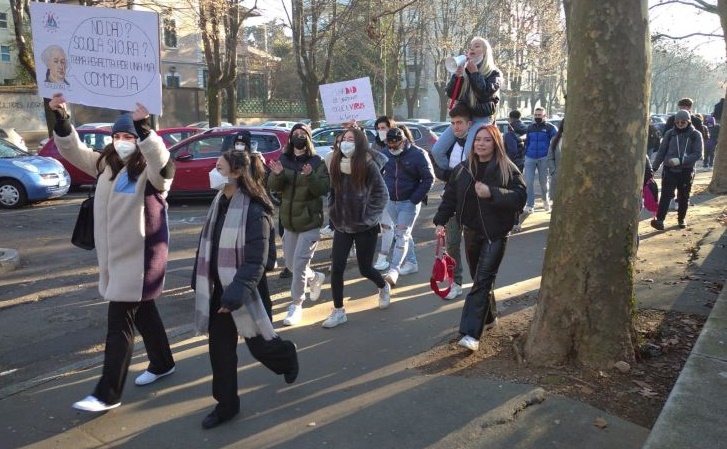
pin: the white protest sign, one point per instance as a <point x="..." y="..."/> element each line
<point x="348" y="100"/>
<point x="97" y="56"/>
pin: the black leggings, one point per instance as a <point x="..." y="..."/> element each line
<point x="365" y="249"/>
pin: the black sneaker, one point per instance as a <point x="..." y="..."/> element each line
<point x="682" y="224"/>
<point x="285" y="274"/>
<point x="657" y="224"/>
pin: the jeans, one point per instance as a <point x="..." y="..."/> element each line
<point x="403" y="214"/>
<point x="298" y="248"/>
<point x="365" y="249"/>
<point x="530" y="166"/>
<point x="387" y="239"/>
<point x="483" y="258"/>
<point x="682" y="182"/>
<point x="447" y="139"/>
<point x="454" y="240"/>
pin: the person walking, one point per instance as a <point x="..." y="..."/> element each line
<point x="537" y="143"/>
<point x="236" y="247"/>
<point x="485" y="194"/>
<point x="358" y="197"/>
<point x="680" y="149"/>
<point x="302" y="179"/>
<point x="134" y="174"/>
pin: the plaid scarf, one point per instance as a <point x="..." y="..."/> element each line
<point x="251" y="319"/>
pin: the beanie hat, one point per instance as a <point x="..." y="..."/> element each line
<point x="244" y="137"/>
<point x="124" y="124"/>
<point x="304" y="127"/>
<point x="682" y="115"/>
<point x="394" y="135"/>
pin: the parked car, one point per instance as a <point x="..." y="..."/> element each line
<point x="205" y="124"/>
<point x="95" y="125"/>
<point x="280" y="124"/>
<point x="25" y="178"/>
<point x="195" y="156"/>
<point x="12" y="136"/>
<point x="438" y="127"/>
<point x="423" y="136"/>
<point x="324" y="138"/>
<point x="97" y="139"/>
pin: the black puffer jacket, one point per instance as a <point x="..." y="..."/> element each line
<point x="486" y="90"/>
<point x="494" y="216"/>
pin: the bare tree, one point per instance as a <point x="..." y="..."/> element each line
<point x="584" y="313"/>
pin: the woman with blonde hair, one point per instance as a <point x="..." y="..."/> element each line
<point x="476" y="83"/>
<point x="485" y="192"/>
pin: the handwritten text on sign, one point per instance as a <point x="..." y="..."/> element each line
<point x="348" y="100"/>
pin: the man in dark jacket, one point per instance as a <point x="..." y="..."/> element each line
<point x="537" y="144"/>
<point x="680" y="149"/>
<point x="515" y="139"/>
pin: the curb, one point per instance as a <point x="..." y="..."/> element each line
<point x="9" y="260"/>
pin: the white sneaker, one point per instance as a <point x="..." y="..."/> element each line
<point x="337" y="316"/>
<point x="92" y="404"/>
<point x="295" y="314"/>
<point x="391" y="277"/>
<point x="469" y="343"/>
<point x="146" y="377"/>
<point x="381" y="262"/>
<point x="454" y="291"/>
<point x="327" y="232"/>
<point x="408" y="268"/>
<point x="316" y="284"/>
<point x="546" y="206"/>
<point x="384" y="296"/>
<point x="489" y="326"/>
<point x="528" y="210"/>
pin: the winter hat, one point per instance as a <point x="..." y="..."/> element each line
<point x="682" y="115"/>
<point x="304" y="127"/>
<point x="394" y="135"/>
<point x="124" y="124"/>
<point x="244" y="137"/>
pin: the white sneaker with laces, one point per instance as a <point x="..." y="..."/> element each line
<point x="295" y="314"/>
<point x="384" y="296"/>
<point x="327" y="232"/>
<point x="381" y="262"/>
<point x="316" y="284"/>
<point x="391" y="277"/>
<point x="454" y="291"/>
<point x="408" y="268"/>
<point x="146" y="377"/>
<point x="469" y="343"/>
<point x="92" y="404"/>
<point x="337" y="316"/>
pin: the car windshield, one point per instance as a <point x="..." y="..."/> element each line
<point x="8" y="151"/>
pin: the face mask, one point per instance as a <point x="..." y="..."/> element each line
<point x="240" y="146"/>
<point x="217" y="179"/>
<point x="538" y="119"/>
<point x="124" y="148"/>
<point x="299" y="142"/>
<point x="382" y="136"/>
<point x="396" y="150"/>
<point x="347" y="148"/>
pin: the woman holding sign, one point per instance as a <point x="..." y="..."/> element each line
<point x="134" y="174"/>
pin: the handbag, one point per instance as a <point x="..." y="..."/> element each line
<point x="83" y="230"/>
<point x="443" y="268"/>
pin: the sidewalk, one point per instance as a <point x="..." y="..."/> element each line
<point x="356" y="388"/>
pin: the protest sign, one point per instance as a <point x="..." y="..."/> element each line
<point x="97" y="56"/>
<point x="348" y="100"/>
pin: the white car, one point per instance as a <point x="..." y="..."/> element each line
<point x="13" y="137"/>
<point x="324" y="138"/>
<point x="95" y="125"/>
<point x="279" y="124"/>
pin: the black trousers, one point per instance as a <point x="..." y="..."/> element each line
<point x="682" y="182"/>
<point x="122" y="318"/>
<point x="484" y="258"/>
<point x="279" y="356"/>
<point x="365" y="250"/>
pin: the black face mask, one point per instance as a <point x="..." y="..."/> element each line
<point x="299" y="142"/>
<point x="538" y="119"/>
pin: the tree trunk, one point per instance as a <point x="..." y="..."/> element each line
<point x="719" y="174"/>
<point x="310" y="94"/>
<point x="584" y="313"/>
<point x="232" y="102"/>
<point x="214" y="105"/>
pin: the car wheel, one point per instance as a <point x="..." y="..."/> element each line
<point x="12" y="194"/>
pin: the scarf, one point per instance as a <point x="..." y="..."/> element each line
<point x="251" y="319"/>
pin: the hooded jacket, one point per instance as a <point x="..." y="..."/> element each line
<point x="685" y="144"/>
<point x="409" y="175"/>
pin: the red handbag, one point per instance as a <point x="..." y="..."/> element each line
<point x="443" y="269"/>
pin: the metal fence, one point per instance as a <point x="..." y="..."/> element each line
<point x="270" y="107"/>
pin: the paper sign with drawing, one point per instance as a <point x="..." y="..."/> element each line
<point x="97" y="56"/>
<point x="348" y="100"/>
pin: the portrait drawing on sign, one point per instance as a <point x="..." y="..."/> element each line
<point x="56" y="65"/>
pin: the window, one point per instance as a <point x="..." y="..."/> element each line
<point x="3" y="20"/>
<point x="170" y="32"/>
<point x="173" y="80"/>
<point x="4" y="53"/>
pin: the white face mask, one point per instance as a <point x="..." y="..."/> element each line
<point x="397" y="151"/>
<point x="382" y="135"/>
<point x="217" y="179"/>
<point x="124" y="148"/>
<point x="347" y="148"/>
<point x="240" y="146"/>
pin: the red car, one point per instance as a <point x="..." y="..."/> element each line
<point x="197" y="155"/>
<point x="97" y="139"/>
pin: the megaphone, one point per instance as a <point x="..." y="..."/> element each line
<point x="452" y="62"/>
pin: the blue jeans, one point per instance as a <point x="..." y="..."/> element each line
<point x="447" y="139"/>
<point x="403" y="215"/>
<point x="530" y="166"/>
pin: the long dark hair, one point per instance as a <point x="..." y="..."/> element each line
<point x="134" y="166"/>
<point x="499" y="156"/>
<point x="358" y="162"/>
<point x="254" y="186"/>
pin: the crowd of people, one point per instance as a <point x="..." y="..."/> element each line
<point x="364" y="194"/>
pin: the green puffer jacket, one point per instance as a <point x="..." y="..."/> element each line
<point x="302" y="204"/>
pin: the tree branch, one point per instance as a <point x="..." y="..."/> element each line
<point x="655" y="37"/>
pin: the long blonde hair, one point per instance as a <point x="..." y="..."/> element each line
<point x="485" y="68"/>
<point x="500" y="155"/>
